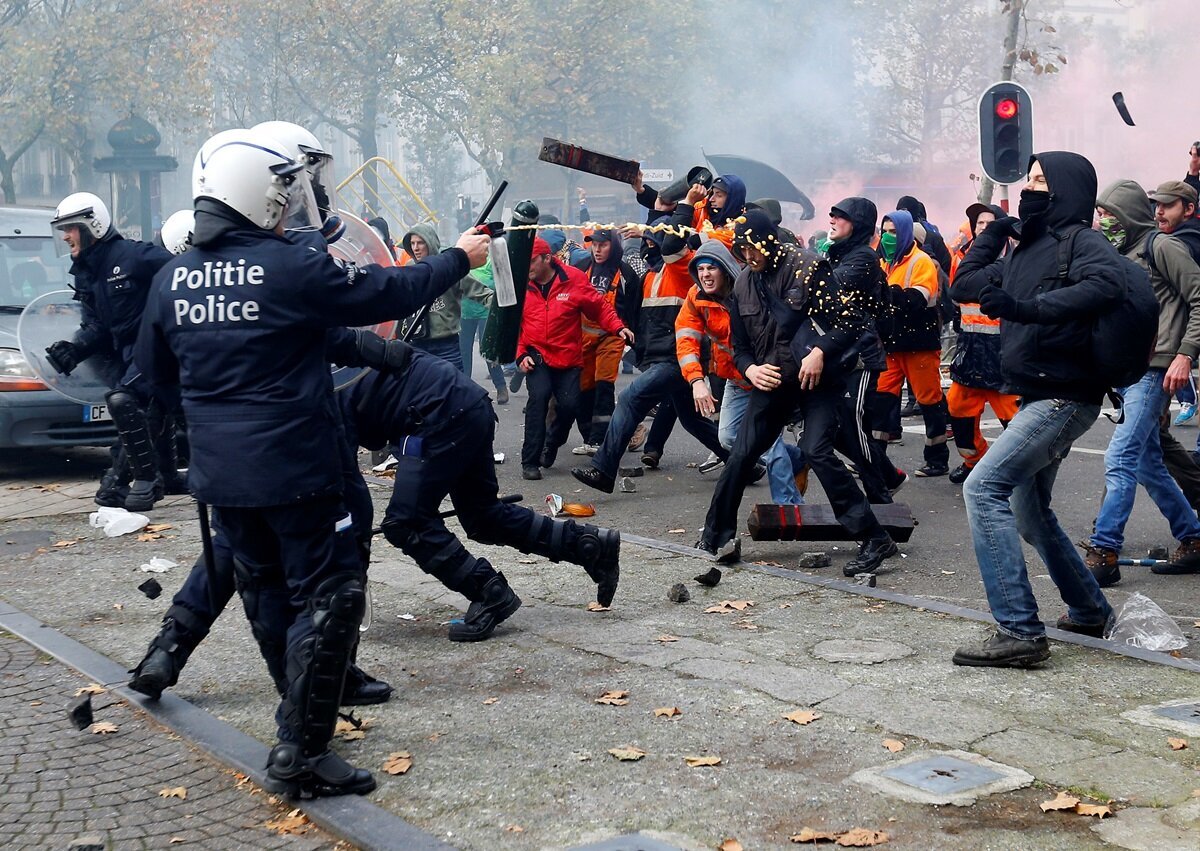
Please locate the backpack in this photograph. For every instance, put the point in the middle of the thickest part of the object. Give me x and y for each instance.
(1122, 339)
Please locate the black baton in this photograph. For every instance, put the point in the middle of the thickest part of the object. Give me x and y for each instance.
(210, 567)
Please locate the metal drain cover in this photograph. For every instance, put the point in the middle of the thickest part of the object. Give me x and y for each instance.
(943, 777)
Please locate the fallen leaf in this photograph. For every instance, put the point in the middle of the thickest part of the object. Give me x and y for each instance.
(157, 527)
(491, 700)
(1097, 810)
(527, 561)
(807, 834)
(175, 840)
(64, 544)
(949, 572)
(35, 703)
(596, 607)
(730, 845)
(119, 606)
(103, 727)
(701, 761)
(1064, 801)
(676, 531)
(90, 688)
(893, 745)
(666, 639)
(1177, 744)
(515, 828)
(294, 822)
(802, 717)
(179, 792)
(1196, 624)
(751, 625)
(785, 605)
(861, 837)
(726, 606)
(398, 762)
(768, 563)
(667, 712)
(628, 753)
(613, 698)
(351, 729)
(148, 536)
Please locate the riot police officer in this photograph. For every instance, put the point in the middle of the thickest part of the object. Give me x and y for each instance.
(238, 323)
(112, 279)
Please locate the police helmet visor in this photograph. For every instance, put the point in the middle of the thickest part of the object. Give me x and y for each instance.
(82, 234)
(320, 171)
(301, 212)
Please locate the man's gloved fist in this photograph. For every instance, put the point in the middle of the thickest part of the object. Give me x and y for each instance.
(63, 356)
(998, 304)
(1004, 227)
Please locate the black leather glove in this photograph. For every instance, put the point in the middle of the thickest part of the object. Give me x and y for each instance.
(384, 355)
(63, 356)
(694, 241)
(1003, 227)
(998, 304)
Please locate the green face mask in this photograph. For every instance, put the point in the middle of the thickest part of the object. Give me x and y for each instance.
(1110, 226)
(823, 246)
(888, 241)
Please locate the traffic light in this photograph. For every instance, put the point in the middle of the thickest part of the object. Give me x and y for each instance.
(465, 211)
(1005, 132)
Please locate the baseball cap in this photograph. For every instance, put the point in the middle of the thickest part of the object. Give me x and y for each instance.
(1172, 191)
(601, 235)
(540, 246)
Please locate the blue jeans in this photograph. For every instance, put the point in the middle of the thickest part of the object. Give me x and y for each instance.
(1134, 457)
(1008, 498)
(657, 381)
(783, 460)
(445, 348)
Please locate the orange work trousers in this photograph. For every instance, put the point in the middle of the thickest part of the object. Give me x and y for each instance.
(601, 359)
(923, 371)
(966, 409)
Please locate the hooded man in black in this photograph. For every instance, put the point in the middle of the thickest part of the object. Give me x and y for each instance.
(934, 245)
(861, 281)
(1045, 335)
(781, 287)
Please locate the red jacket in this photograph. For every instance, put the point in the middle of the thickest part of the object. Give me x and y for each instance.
(551, 325)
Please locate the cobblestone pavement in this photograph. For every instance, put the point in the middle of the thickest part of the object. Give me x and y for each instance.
(61, 783)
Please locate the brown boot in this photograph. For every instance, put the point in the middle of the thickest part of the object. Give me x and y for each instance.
(1102, 562)
(1186, 559)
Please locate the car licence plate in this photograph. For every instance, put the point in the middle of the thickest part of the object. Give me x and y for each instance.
(96, 414)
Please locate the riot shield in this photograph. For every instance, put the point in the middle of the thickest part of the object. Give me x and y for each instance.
(47, 319)
(362, 246)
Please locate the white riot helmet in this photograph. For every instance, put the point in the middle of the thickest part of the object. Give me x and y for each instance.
(85, 210)
(303, 145)
(252, 174)
(176, 233)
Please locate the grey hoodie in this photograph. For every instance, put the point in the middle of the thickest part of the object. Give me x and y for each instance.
(445, 314)
(714, 249)
(1174, 276)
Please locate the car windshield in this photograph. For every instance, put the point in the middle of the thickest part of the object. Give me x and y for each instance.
(29, 267)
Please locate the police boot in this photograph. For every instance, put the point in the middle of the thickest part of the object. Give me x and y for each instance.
(497, 602)
(362, 689)
(303, 766)
(596, 550)
(114, 484)
(181, 632)
(136, 440)
(326, 774)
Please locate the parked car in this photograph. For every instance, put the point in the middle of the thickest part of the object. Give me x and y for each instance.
(31, 414)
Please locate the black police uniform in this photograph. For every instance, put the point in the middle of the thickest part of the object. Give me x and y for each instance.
(112, 280)
(441, 426)
(238, 323)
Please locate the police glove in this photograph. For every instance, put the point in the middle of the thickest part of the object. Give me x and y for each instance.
(63, 356)
(997, 304)
(385, 355)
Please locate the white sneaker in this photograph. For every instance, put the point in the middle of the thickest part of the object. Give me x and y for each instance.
(585, 449)
(388, 463)
(712, 462)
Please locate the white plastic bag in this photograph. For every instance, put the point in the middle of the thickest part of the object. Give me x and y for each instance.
(1141, 623)
(117, 521)
(158, 565)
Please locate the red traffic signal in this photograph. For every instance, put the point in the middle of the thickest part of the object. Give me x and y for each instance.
(1005, 132)
(1006, 108)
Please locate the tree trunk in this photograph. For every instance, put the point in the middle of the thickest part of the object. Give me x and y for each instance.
(368, 142)
(7, 185)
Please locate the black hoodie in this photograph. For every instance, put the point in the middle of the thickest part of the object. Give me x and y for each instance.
(1048, 357)
(859, 275)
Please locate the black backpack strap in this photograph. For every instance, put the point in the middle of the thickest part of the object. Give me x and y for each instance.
(1066, 246)
(1148, 251)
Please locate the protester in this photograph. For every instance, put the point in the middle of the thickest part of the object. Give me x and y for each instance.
(1045, 319)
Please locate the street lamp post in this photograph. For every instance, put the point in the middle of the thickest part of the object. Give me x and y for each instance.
(133, 175)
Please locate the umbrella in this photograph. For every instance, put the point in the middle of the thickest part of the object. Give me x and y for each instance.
(762, 180)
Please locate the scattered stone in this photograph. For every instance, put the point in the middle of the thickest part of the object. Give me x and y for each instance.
(1159, 552)
(867, 579)
(679, 593)
(632, 472)
(151, 588)
(88, 842)
(813, 560)
(80, 713)
(628, 485)
(710, 579)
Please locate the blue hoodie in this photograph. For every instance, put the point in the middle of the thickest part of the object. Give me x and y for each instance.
(903, 221)
(734, 204)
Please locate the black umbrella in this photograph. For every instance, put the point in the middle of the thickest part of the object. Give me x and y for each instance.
(762, 180)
